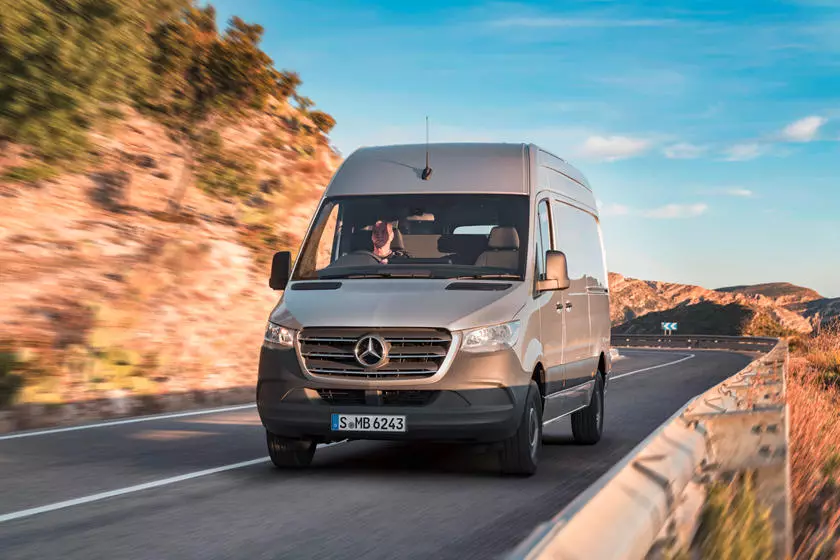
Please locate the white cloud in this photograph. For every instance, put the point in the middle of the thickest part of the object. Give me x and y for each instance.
(738, 191)
(684, 150)
(743, 152)
(674, 211)
(615, 210)
(803, 130)
(669, 211)
(612, 148)
(597, 23)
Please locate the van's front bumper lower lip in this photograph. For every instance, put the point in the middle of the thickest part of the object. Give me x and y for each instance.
(290, 405)
(450, 416)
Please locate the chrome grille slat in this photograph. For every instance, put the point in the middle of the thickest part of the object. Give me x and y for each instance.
(327, 355)
(417, 353)
(326, 339)
(374, 373)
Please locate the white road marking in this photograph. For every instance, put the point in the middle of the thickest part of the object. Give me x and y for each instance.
(137, 488)
(688, 357)
(127, 421)
(547, 422)
(127, 490)
(189, 476)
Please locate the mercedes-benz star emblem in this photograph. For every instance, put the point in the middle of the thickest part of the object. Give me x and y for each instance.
(371, 351)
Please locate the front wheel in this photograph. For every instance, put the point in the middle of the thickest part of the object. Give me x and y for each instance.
(289, 453)
(588, 424)
(520, 452)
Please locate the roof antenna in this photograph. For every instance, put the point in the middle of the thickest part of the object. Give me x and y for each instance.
(428, 171)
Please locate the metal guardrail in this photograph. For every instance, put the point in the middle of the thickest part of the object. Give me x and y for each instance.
(745, 343)
(652, 499)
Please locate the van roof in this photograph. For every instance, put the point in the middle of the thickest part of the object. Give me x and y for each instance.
(456, 168)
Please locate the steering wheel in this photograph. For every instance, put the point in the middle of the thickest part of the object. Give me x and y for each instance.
(399, 253)
(402, 253)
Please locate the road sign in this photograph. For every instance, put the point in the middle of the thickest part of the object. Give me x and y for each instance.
(669, 327)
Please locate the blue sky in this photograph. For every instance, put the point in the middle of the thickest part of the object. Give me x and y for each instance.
(709, 130)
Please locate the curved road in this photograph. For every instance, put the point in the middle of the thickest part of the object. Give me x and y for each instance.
(199, 485)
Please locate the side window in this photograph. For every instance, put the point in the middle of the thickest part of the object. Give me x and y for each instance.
(569, 237)
(579, 237)
(599, 264)
(543, 236)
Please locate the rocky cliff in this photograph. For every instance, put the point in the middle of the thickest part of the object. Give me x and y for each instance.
(106, 291)
(640, 306)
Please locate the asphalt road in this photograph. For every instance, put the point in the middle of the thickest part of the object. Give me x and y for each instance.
(141, 490)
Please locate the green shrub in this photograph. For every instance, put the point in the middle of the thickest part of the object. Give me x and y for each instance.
(65, 67)
(10, 382)
(762, 324)
(324, 121)
(222, 172)
(63, 61)
(33, 173)
(831, 468)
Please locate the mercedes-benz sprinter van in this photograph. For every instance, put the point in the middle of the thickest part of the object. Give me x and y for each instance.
(464, 300)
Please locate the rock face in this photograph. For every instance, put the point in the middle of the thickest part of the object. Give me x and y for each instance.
(104, 291)
(641, 305)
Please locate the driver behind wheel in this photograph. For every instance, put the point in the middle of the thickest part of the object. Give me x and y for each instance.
(382, 236)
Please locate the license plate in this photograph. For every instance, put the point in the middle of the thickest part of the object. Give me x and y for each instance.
(367, 423)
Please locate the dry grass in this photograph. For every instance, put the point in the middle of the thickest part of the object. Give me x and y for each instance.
(734, 526)
(814, 400)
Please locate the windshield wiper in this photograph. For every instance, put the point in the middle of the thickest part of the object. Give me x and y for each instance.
(489, 276)
(376, 275)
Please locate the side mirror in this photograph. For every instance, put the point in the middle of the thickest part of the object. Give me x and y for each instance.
(556, 272)
(281, 266)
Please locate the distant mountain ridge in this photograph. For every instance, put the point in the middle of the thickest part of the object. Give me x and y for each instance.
(771, 308)
(782, 292)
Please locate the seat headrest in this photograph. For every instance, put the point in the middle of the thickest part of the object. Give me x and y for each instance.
(446, 243)
(503, 238)
(397, 244)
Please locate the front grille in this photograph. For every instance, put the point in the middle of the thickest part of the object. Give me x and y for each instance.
(344, 397)
(412, 353)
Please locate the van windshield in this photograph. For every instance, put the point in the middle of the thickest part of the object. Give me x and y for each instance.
(417, 236)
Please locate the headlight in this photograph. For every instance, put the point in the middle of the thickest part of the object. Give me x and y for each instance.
(488, 339)
(275, 334)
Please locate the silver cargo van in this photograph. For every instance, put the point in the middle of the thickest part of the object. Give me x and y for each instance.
(463, 300)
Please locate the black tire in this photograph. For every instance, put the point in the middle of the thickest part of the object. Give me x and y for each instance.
(520, 452)
(588, 424)
(289, 453)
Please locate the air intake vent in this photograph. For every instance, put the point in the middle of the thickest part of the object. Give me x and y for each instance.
(348, 397)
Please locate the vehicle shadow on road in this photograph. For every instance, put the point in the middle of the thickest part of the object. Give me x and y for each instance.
(400, 459)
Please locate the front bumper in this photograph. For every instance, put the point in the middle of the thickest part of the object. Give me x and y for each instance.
(480, 399)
